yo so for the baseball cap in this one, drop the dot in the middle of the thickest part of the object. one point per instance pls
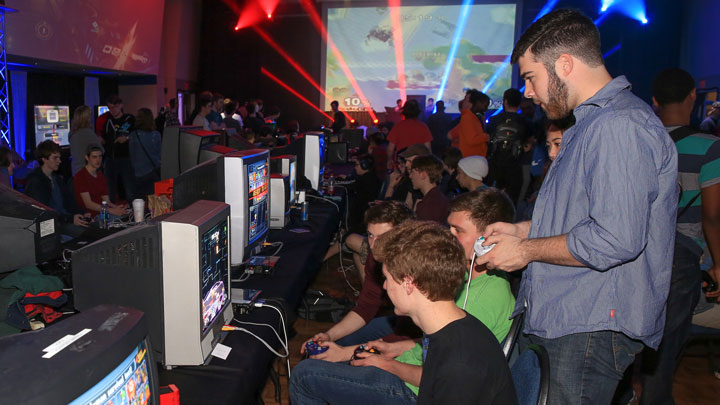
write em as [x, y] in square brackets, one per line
[475, 167]
[414, 150]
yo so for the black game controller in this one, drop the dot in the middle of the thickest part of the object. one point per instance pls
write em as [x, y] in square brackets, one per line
[364, 349]
[313, 348]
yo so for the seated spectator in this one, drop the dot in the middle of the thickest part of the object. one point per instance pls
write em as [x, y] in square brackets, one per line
[471, 172]
[81, 136]
[90, 185]
[253, 121]
[201, 120]
[364, 191]
[425, 174]
[6, 166]
[230, 119]
[449, 184]
[400, 371]
[408, 132]
[711, 124]
[397, 185]
[360, 324]
[46, 185]
[145, 151]
[213, 116]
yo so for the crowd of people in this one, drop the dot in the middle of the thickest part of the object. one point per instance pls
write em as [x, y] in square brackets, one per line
[579, 196]
[593, 242]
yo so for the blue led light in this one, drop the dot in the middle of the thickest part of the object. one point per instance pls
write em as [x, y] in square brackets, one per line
[459, 28]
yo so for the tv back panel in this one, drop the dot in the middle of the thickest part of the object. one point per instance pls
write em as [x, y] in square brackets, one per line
[29, 231]
[170, 155]
[280, 207]
[314, 166]
[52, 122]
[105, 358]
[191, 144]
[176, 270]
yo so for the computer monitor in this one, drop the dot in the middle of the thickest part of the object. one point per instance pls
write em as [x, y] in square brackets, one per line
[176, 270]
[170, 159]
[101, 109]
[29, 231]
[241, 179]
[99, 356]
[52, 122]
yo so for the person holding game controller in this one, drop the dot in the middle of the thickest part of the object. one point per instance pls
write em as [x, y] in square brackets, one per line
[46, 185]
[599, 247]
[490, 301]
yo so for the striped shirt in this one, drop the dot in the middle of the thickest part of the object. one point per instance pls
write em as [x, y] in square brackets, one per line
[698, 168]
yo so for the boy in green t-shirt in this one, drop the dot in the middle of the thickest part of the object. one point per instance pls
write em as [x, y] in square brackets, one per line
[490, 300]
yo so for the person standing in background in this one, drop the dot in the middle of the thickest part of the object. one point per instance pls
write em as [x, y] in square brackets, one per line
[114, 127]
[81, 136]
[145, 149]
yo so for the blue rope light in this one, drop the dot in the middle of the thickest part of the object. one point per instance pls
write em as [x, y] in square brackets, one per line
[4, 92]
[460, 27]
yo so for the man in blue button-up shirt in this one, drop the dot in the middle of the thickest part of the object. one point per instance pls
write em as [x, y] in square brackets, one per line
[600, 242]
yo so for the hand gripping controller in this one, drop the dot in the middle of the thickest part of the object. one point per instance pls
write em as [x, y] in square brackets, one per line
[313, 348]
[364, 349]
[480, 249]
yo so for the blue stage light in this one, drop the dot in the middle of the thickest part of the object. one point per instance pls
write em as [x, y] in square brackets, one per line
[634, 9]
[459, 28]
[605, 5]
[612, 51]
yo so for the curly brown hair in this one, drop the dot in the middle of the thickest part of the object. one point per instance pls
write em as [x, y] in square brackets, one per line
[425, 252]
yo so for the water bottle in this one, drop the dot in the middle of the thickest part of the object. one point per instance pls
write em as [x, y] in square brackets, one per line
[331, 185]
[104, 215]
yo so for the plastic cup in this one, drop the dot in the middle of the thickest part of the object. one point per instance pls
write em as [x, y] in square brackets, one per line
[138, 205]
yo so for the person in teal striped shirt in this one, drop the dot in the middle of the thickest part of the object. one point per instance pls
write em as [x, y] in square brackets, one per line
[698, 226]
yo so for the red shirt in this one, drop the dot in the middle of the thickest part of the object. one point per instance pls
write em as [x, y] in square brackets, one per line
[409, 132]
[434, 206]
[84, 182]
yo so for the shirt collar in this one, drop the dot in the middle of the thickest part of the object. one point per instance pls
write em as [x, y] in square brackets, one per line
[607, 93]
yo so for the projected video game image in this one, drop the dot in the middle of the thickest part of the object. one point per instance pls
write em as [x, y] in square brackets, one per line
[52, 122]
[127, 384]
[258, 215]
[364, 37]
[214, 261]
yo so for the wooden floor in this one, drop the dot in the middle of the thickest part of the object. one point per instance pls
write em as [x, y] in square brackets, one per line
[694, 383]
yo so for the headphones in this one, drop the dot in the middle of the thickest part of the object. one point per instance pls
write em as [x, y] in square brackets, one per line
[366, 161]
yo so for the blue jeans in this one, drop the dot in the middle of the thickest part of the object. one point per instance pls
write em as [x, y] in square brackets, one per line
[321, 382]
[375, 329]
[659, 366]
[585, 368]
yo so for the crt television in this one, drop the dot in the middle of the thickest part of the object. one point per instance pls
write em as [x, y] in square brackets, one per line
[310, 153]
[286, 165]
[99, 356]
[241, 179]
[176, 270]
[170, 159]
[281, 200]
[29, 232]
[52, 122]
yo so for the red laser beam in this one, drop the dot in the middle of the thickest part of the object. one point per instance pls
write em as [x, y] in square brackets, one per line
[295, 93]
[268, 39]
[396, 19]
[317, 22]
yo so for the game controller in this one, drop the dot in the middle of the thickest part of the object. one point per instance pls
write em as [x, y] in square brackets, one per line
[364, 349]
[312, 347]
[480, 249]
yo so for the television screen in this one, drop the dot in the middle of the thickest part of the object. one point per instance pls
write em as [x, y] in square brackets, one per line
[52, 122]
[258, 179]
[128, 383]
[293, 174]
[214, 261]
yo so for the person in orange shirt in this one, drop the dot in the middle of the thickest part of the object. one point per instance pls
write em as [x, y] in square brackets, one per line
[470, 135]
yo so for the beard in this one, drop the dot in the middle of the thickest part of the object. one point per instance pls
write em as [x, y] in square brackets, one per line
[557, 105]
